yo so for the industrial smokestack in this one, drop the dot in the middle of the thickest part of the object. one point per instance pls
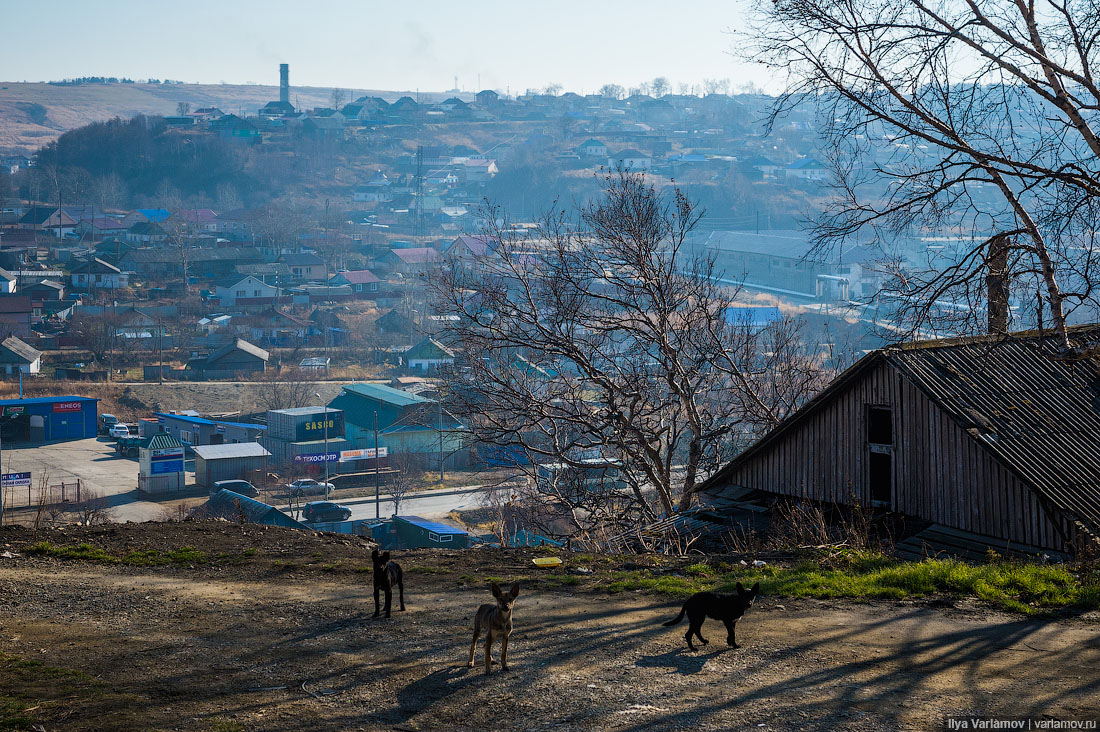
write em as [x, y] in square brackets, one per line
[284, 82]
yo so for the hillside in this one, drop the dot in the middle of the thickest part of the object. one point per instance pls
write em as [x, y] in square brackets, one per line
[32, 115]
[271, 629]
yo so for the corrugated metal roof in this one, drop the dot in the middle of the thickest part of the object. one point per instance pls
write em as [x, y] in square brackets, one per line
[202, 420]
[386, 394]
[235, 450]
[431, 525]
[233, 506]
[1038, 415]
[161, 441]
[45, 400]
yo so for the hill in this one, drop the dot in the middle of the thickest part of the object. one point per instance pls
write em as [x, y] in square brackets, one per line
[214, 626]
[34, 114]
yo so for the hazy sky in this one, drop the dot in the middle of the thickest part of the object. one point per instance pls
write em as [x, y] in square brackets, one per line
[512, 44]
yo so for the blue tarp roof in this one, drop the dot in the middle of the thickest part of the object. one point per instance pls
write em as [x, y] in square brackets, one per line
[201, 420]
[431, 525]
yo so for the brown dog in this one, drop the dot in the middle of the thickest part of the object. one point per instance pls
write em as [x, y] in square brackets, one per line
[496, 619]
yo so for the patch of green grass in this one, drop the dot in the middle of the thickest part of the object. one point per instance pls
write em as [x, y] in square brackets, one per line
[13, 715]
[186, 555]
[329, 567]
[363, 570]
[147, 558]
[1016, 586]
[428, 570]
[250, 552]
[86, 552]
[284, 564]
[556, 580]
[34, 686]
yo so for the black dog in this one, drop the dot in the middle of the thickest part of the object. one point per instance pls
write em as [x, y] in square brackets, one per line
[727, 608]
[386, 575]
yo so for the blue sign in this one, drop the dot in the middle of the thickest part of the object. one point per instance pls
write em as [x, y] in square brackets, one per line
[332, 457]
[10, 480]
[174, 466]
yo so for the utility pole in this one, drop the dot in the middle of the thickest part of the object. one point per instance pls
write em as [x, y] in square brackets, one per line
[440, 440]
[325, 418]
[377, 508]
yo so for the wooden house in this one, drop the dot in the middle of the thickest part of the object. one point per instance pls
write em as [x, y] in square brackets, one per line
[229, 361]
[992, 437]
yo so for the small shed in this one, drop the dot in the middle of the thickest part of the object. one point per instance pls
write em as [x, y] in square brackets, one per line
[160, 465]
[413, 532]
[16, 356]
[228, 462]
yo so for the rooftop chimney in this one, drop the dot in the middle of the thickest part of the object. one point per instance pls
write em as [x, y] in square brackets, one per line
[284, 82]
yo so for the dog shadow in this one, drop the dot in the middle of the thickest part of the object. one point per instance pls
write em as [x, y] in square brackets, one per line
[682, 661]
[433, 688]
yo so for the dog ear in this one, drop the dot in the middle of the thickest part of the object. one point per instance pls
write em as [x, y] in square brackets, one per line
[385, 557]
[740, 589]
[755, 588]
[514, 592]
[374, 554]
[495, 589]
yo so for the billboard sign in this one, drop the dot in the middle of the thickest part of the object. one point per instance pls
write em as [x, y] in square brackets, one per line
[314, 426]
[167, 466]
[14, 411]
[347, 456]
[168, 453]
[67, 406]
[11, 480]
[332, 457]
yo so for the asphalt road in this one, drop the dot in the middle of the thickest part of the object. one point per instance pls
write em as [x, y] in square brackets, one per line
[426, 504]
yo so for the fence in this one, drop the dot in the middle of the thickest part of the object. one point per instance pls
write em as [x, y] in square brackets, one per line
[26, 496]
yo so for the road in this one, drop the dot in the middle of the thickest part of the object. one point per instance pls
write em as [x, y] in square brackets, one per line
[426, 504]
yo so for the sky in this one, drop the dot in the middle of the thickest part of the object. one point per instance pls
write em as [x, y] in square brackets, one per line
[509, 45]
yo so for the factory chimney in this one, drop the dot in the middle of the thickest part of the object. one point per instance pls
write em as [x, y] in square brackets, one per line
[284, 82]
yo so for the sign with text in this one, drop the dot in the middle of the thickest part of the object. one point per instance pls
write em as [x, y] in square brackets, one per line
[11, 480]
[167, 466]
[167, 453]
[347, 456]
[315, 426]
[331, 457]
[14, 411]
[67, 406]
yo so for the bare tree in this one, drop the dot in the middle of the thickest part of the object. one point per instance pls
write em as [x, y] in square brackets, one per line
[969, 120]
[337, 99]
[285, 388]
[183, 108]
[99, 334]
[661, 86]
[612, 91]
[601, 340]
[406, 469]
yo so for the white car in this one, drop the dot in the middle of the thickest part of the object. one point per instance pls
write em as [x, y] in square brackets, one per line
[119, 430]
[308, 487]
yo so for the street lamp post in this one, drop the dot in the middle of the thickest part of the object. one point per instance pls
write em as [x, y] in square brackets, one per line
[325, 419]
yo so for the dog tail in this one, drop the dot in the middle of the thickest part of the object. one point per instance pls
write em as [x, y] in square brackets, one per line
[678, 618]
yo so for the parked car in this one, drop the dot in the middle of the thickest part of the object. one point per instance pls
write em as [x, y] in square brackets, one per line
[308, 487]
[119, 431]
[106, 422]
[129, 446]
[243, 487]
[325, 511]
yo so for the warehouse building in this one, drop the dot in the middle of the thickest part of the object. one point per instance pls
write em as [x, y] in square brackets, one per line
[194, 430]
[46, 419]
[243, 461]
[306, 438]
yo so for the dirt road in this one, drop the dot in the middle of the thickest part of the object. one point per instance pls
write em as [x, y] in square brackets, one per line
[258, 646]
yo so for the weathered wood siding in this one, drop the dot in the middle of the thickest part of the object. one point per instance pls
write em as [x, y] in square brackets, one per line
[941, 473]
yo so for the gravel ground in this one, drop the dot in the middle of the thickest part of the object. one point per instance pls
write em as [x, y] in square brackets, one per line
[282, 638]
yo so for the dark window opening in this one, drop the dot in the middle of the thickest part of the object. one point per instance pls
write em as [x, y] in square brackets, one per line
[880, 426]
[881, 477]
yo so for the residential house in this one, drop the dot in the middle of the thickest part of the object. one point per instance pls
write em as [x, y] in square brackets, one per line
[306, 267]
[139, 329]
[96, 274]
[233, 359]
[992, 439]
[95, 228]
[47, 220]
[471, 248]
[273, 328]
[43, 290]
[232, 127]
[146, 215]
[199, 219]
[275, 109]
[410, 261]
[407, 423]
[146, 232]
[429, 355]
[16, 356]
[17, 315]
[362, 280]
[8, 282]
[592, 149]
[487, 98]
[807, 169]
[247, 290]
[395, 323]
[630, 159]
[323, 128]
[479, 170]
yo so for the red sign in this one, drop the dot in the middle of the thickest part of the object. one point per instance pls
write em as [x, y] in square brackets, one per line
[67, 406]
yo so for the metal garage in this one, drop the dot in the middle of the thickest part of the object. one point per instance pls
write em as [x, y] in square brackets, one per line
[229, 462]
[47, 419]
